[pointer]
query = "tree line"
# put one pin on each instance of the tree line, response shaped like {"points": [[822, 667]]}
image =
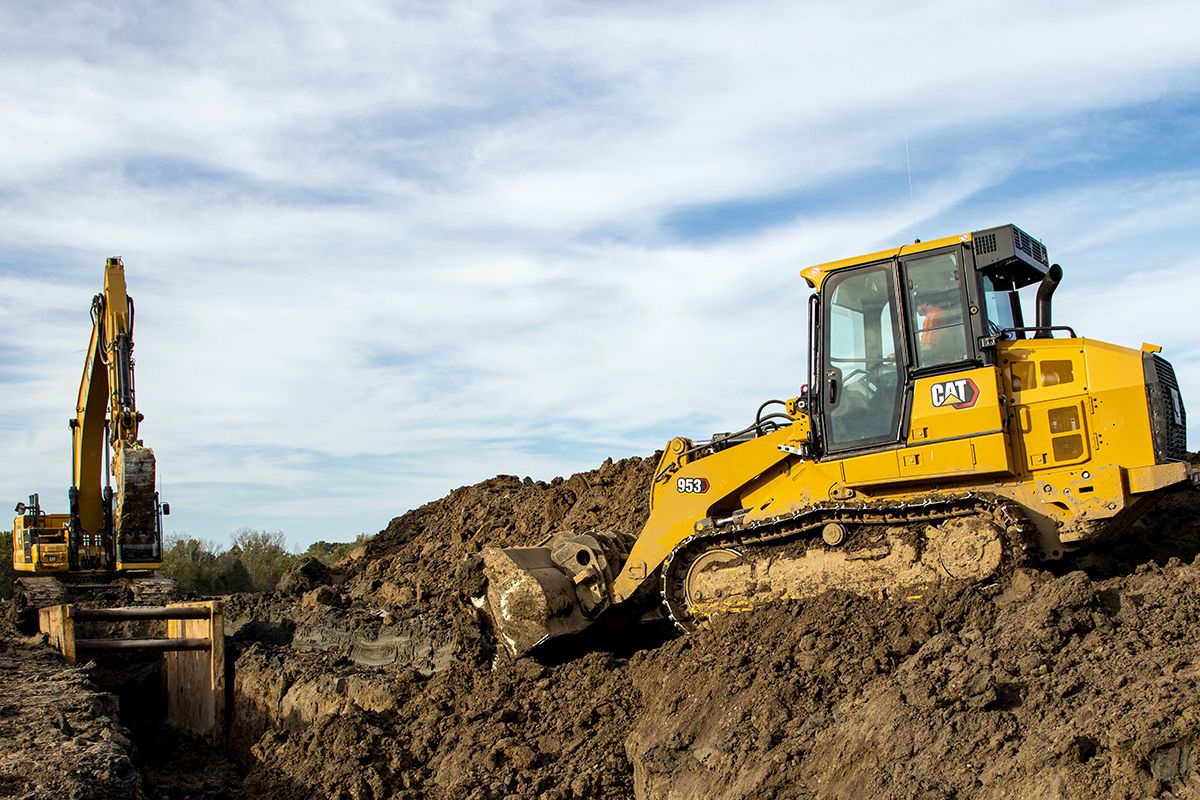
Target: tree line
{"points": [[253, 562]]}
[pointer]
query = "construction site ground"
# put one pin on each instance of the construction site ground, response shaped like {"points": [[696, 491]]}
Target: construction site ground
{"points": [[374, 680]]}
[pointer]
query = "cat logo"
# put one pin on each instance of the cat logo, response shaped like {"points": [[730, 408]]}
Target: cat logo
{"points": [[959, 393]]}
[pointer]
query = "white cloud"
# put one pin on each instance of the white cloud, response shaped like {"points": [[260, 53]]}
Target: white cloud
{"points": [[445, 241]]}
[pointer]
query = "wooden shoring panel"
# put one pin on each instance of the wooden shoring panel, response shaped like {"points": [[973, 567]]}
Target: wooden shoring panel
{"points": [[195, 680]]}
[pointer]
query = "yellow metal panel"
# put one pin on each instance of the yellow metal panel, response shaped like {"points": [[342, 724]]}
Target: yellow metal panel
{"points": [[946, 459], [939, 459], [872, 468], [1054, 433], [711, 486], [992, 454], [956, 405], [1034, 370], [1105, 383]]}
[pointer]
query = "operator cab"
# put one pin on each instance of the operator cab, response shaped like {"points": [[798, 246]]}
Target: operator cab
{"points": [[889, 318]]}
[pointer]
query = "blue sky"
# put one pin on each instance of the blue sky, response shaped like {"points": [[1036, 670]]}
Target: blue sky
{"points": [[381, 250]]}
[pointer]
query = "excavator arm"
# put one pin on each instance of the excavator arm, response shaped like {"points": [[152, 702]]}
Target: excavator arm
{"points": [[112, 527]]}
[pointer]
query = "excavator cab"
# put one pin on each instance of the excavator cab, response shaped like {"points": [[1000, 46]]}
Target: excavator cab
{"points": [[39, 539]]}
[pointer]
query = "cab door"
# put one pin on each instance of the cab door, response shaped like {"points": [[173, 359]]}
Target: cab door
{"points": [[862, 383]]}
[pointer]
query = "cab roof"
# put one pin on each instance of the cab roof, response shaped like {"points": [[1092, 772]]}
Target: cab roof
{"points": [[816, 274]]}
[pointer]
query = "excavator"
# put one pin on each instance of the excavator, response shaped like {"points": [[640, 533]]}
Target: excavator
{"points": [[938, 438], [110, 541]]}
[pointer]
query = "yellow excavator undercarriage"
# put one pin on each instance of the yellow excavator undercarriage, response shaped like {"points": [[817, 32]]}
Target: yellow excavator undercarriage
{"points": [[939, 438]]}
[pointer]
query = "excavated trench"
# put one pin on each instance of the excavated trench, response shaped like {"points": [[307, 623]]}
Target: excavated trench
{"points": [[97, 730], [375, 681]]}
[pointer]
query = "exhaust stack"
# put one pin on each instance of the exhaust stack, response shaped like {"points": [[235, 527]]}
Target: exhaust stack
{"points": [[1045, 292]]}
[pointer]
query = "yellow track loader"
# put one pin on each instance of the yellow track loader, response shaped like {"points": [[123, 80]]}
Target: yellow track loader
{"points": [[111, 539], [939, 438]]}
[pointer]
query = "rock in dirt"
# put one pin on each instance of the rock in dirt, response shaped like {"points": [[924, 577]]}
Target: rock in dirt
{"points": [[303, 576]]}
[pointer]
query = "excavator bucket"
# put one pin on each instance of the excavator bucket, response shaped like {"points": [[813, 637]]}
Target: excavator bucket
{"points": [[539, 593], [136, 514]]}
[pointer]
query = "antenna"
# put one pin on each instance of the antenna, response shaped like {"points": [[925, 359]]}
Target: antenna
{"points": [[912, 209]]}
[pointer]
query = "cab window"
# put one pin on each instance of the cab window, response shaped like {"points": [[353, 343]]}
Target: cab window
{"points": [[1001, 304], [935, 307]]}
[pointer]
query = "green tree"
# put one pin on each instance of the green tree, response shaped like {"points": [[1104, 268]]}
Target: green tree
{"points": [[232, 576], [191, 563], [6, 567], [332, 552], [264, 555]]}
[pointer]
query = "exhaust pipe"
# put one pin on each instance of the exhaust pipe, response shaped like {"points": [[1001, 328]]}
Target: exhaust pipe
{"points": [[1045, 292]]}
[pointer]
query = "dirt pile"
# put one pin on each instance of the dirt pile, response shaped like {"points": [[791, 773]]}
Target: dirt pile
{"points": [[1062, 684], [373, 680], [388, 688], [1056, 687], [399, 601]]}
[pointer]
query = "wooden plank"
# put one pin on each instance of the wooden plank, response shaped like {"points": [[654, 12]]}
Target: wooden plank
{"points": [[143, 645], [142, 612], [59, 626], [195, 681]]}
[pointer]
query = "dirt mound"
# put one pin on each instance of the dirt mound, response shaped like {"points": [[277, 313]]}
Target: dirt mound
{"points": [[418, 559], [375, 681], [394, 681], [1057, 687], [1062, 684]]}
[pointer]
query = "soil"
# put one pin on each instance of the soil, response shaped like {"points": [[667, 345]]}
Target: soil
{"points": [[375, 680]]}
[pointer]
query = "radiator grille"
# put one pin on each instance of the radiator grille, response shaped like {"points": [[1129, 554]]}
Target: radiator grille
{"points": [[985, 244], [1167, 415]]}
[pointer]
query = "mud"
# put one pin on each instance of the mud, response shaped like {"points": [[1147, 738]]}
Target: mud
{"points": [[373, 680]]}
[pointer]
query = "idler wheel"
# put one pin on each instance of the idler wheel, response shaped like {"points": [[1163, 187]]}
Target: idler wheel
{"points": [[693, 583]]}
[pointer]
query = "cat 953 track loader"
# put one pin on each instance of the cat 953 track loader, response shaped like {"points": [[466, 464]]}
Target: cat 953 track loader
{"points": [[110, 541], [939, 437]]}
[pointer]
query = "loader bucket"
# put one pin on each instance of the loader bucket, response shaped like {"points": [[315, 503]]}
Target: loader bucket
{"points": [[538, 593], [529, 598]]}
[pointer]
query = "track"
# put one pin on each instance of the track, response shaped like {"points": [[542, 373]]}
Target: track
{"points": [[970, 537], [89, 590]]}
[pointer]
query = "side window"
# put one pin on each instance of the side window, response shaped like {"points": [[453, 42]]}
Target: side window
{"points": [[999, 301], [936, 309]]}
